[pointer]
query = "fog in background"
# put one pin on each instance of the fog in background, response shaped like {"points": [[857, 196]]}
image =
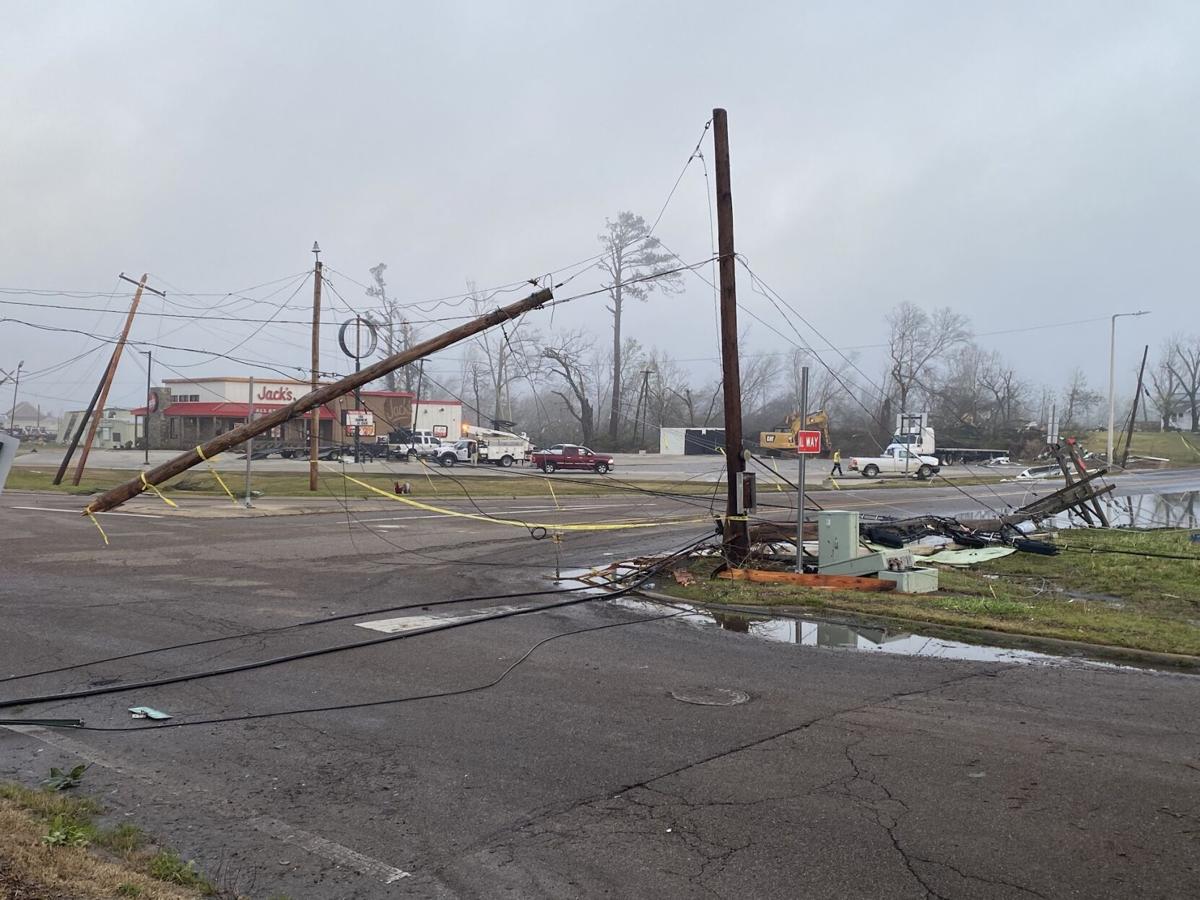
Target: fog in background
{"points": [[1024, 163]]}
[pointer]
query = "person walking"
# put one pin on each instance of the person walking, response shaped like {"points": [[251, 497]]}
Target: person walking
{"points": [[837, 464]]}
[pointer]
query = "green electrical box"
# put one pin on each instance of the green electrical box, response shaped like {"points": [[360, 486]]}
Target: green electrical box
{"points": [[837, 536]]}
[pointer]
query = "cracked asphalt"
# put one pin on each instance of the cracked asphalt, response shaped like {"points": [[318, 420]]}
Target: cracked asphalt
{"points": [[846, 774]]}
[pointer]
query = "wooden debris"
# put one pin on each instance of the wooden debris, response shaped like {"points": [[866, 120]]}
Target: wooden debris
{"points": [[826, 582], [683, 577]]}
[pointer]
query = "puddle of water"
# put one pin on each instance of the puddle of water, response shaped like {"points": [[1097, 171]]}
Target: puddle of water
{"points": [[812, 633], [1145, 511], [1179, 510]]}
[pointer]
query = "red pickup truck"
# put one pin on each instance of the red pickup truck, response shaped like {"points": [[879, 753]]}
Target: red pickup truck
{"points": [[570, 456]]}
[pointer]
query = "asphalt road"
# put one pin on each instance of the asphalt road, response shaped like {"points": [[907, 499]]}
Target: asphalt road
{"points": [[641, 466], [580, 774]]}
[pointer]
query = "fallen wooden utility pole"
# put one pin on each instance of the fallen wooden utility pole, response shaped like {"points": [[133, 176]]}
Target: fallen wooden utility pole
{"points": [[311, 401], [1137, 395]]}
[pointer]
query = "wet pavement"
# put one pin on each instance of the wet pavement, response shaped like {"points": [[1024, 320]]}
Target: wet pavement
{"points": [[593, 750], [840, 636]]}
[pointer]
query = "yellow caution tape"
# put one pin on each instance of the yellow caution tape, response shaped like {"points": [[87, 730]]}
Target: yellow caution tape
{"points": [[216, 475], [425, 469], [518, 523], [552, 494], [778, 486], [161, 496], [96, 522]]}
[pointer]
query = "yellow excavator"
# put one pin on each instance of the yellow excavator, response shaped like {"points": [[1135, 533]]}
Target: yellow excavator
{"points": [[783, 439]]}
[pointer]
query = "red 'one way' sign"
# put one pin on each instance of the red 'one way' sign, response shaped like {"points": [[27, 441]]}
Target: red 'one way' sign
{"points": [[808, 442]]}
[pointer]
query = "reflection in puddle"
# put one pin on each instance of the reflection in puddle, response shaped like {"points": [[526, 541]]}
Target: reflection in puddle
{"points": [[810, 633], [1153, 510]]}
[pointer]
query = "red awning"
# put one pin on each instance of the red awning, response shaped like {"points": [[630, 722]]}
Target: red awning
{"points": [[232, 410]]}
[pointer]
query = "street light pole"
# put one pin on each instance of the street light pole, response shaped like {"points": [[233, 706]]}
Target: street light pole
{"points": [[1112, 377]]}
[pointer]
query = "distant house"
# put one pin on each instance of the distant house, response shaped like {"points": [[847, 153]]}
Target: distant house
{"points": [[116, 428], [32, 420]]}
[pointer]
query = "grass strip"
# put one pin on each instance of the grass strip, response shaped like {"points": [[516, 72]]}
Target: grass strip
{"points": [[52, 844], [1086, 593]]}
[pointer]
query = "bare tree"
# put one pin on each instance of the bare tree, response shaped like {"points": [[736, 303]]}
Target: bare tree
{"points": [[1078, 398], [507, 354], [567, 360], [1010, 393], [634, 265], [917, 341], [396, 332], [1184, 362], [671, 391], [958, 394], [976, 389], [759, 376], [634, 374], [1164, 391]]}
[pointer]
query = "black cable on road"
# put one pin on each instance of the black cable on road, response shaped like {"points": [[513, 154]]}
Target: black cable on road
{"points": [[305, 624], [456, 692], [645, 574]]}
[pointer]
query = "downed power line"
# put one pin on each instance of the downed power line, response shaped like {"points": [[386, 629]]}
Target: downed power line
{"points": [[312, 400]]}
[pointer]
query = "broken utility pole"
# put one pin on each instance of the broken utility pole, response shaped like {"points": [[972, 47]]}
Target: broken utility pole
{"points": [[101, 395], [314, 427], [1137, 395], [736, 531], [313, 401]]}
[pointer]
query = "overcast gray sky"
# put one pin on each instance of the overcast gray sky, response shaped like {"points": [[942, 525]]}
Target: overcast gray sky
{"points": [[1025, 163]]}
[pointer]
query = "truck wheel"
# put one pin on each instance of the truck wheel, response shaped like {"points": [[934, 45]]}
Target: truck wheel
{"points": [[506, 460], [870, 471], [412, 456], [602, 468], [924, 472], [447, 460], [548, 467]]}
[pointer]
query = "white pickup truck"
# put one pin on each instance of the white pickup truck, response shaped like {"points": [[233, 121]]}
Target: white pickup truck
{"points": [[897, 460], [405, 444]]}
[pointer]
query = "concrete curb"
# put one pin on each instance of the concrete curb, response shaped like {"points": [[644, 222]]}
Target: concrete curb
{"points": [[1016, 641]]}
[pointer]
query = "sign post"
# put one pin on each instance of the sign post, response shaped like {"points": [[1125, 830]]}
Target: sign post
{"points": [[250, 444], [807, 443], [358, 323]]}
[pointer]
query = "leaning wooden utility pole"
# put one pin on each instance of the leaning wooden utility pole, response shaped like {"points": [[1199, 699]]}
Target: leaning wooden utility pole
{"points": [[314, 427], [110, 373], [313, 400], [1137, 395], [737, 535]]}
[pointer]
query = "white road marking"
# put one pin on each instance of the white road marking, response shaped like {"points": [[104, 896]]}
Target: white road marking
{"points": [[411, 623], [314, 843], [290, 834], [80, 512]]}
